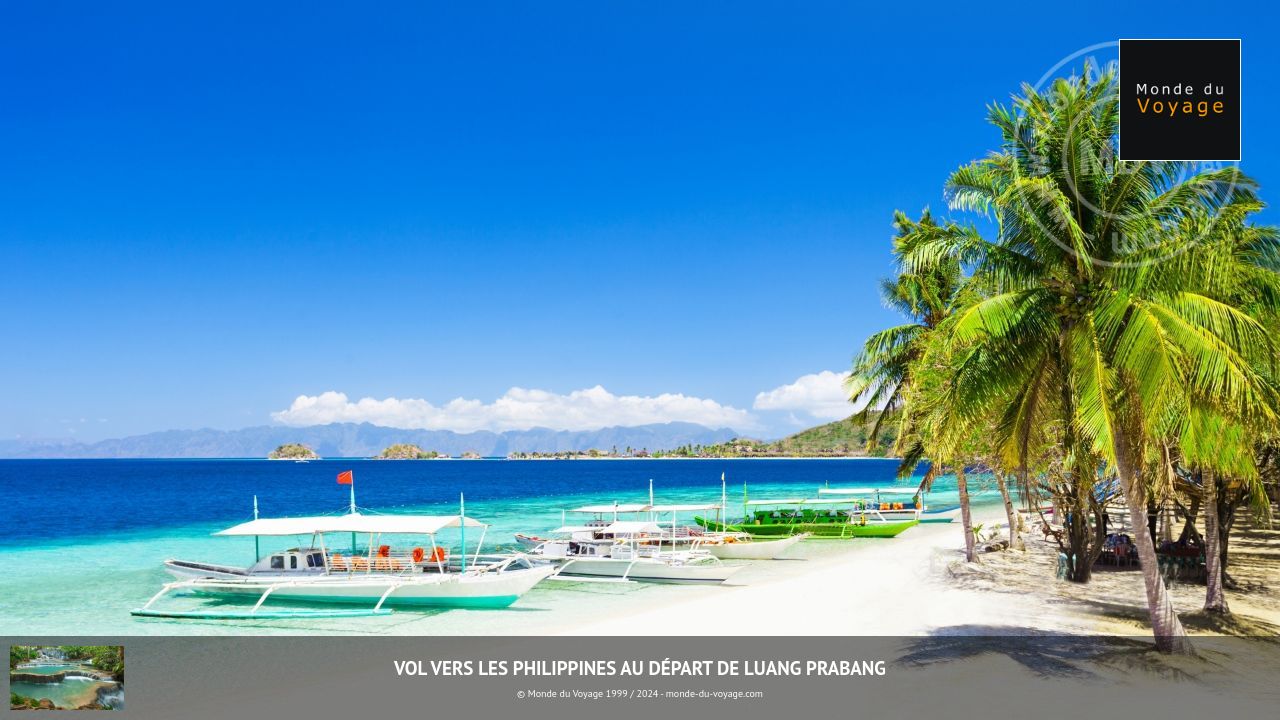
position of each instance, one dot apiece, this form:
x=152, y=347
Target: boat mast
x=462, y=527
x=352, y=509
x=257, y=553
x=724, y=503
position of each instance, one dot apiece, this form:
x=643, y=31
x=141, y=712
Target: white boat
x=725, y=545
x=376, y=577
x=882, y=500
x=624, y=550
x=743, y=546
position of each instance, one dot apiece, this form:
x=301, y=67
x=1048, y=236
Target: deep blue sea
x=66, y=501
x=87, y=538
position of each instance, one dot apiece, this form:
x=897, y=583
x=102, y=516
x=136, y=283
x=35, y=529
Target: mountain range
x=365, y=440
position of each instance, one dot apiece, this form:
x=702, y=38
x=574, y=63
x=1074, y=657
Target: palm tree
x=882, y=375
x=1226, y=456
x=1085, y=320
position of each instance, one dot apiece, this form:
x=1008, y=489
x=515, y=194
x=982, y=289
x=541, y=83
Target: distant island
x=409, y=451
x=293, y=451
x=842, y=438
x=352, y=440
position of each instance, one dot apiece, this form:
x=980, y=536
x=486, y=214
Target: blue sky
x=208, y=211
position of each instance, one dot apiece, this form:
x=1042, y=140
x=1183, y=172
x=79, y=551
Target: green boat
x=769, y=527
x=822, y=518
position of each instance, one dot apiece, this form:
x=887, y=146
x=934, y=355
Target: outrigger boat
x=820, y=517
x=624, y=550
x=723, y=545
x=726, y=545
x=316, y=573
x=882, y=500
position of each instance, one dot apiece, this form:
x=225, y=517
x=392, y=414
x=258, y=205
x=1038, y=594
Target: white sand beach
x=864, y=587
x=917, y=584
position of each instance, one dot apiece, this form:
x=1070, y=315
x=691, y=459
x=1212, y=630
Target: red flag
x=344, y=477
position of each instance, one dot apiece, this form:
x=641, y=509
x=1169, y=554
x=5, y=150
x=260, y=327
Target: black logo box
x=1187, y=69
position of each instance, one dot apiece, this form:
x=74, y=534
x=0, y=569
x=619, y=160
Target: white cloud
x=819, y=395
x=518, y=409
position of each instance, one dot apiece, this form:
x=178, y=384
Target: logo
x=1180, y=100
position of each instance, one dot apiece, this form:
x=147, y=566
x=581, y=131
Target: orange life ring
x=384, y=551
x=438, y=554
x=418, y=554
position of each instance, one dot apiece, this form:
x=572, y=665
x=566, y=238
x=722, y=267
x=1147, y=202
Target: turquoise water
x=70, y=693
x=48, y=669
x=66, y=575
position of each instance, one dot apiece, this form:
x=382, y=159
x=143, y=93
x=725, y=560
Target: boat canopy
x=352, y=522
x=574, y=529
x=802, y=501
x=684, y=508
x=624, y=508
x=631, y=527
x=868, y=491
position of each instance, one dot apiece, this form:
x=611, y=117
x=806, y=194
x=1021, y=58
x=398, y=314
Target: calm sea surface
x=86, y=538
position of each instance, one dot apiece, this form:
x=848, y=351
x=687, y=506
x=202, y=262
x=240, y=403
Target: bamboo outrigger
x=316, y=573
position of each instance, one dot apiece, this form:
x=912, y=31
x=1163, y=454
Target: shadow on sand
x=1088, y=658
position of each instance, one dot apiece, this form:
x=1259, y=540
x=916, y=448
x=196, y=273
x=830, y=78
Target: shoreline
x=919, y=585
x=874, y=587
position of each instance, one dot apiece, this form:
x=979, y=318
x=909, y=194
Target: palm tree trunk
x=1226, y=520
x=1215, y=600
x=1015, y=541
x=1189, y=527
x=966, y=520
x=1170, y=636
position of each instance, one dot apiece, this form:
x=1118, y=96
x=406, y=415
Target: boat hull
x=484, y=590
x=942, y=515
x=843, y=531
x=756, y=549
x=645, y=571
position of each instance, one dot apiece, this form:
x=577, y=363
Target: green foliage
x=292, y=451
x=842, y=438
x=849, y=437
x=407, y=451
x=107, y=658
x=1119, y=322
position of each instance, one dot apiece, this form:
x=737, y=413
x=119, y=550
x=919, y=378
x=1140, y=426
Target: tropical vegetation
x=107, y=658
x=292, y=451
x=406, y=451
x=1093, y=331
